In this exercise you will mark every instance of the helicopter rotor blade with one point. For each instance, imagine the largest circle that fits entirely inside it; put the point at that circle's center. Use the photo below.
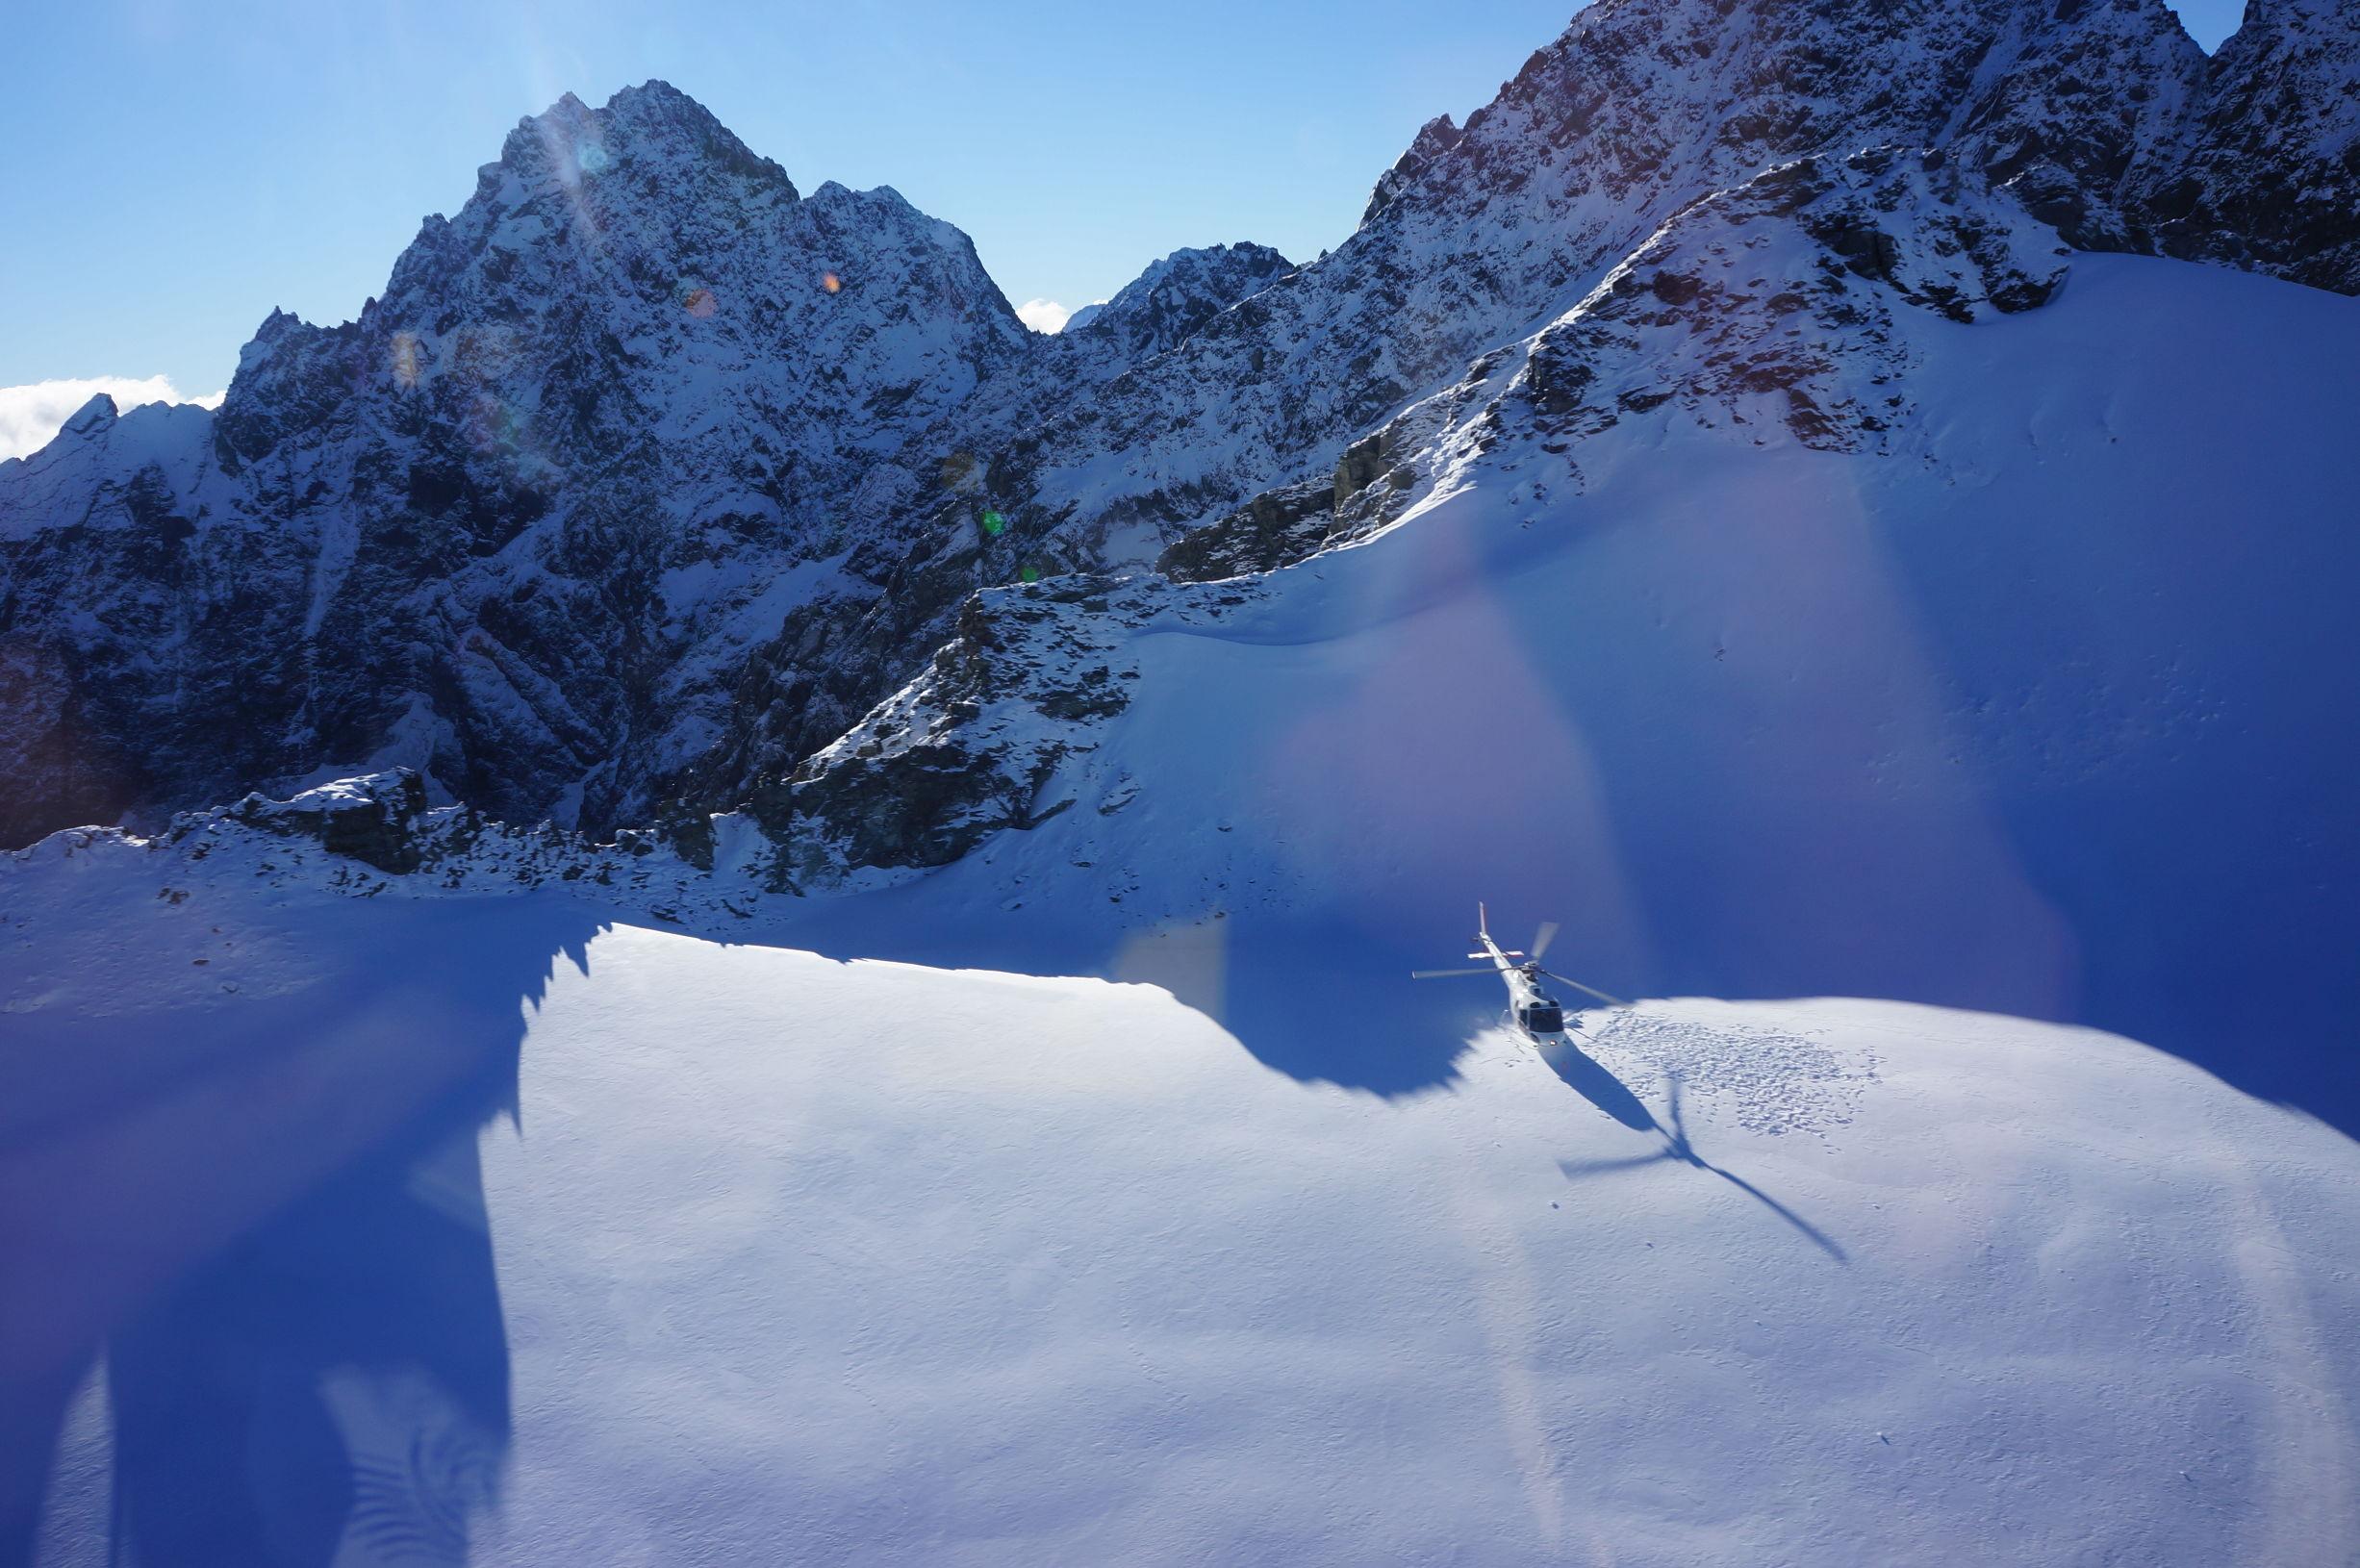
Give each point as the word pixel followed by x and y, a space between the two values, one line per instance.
pixel 1542 938
pixel 1445 973
pixel 1566 979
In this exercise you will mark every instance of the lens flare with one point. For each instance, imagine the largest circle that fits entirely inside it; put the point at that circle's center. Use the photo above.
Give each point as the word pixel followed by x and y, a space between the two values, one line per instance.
pixel 830 282
pixel 591 158
pixel 406 362
pixel 699 302
pixel 994 524
pixel 1031 574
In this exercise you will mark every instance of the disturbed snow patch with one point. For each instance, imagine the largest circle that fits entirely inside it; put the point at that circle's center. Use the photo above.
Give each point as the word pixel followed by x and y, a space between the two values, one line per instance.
pixel 1774 1082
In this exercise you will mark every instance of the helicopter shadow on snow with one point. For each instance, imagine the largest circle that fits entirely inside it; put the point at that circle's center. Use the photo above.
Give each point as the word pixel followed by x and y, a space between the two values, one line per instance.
pixel 1585 1076
pixel 1592 1082
pixel 1253 981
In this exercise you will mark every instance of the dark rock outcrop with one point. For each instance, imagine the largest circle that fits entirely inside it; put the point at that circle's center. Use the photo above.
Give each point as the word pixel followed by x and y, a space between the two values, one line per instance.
pixel 2269 174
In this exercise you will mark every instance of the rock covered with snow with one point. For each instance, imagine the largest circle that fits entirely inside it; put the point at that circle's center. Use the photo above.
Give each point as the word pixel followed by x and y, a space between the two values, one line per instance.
pixel 516 522
pixel 2270 174
pixel 1482 235
pixel 1020 696
pixel 649 475
pixel 1163 307
pixel 1435 137
pixel 376 836
pixel 372 818
pixel 1766 310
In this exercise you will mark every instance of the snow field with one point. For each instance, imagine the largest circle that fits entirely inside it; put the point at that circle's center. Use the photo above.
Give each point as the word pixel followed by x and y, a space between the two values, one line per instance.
pixel 892 1263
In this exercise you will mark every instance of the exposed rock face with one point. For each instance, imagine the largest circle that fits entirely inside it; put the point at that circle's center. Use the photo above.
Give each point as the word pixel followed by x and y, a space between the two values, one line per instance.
pixel 516 524
pixel 1769 308
pixel 373 818
pixel 1482 235
pixel 1274 527
pixel 2270 174
pixel 1165 305
pixel 965 749
pixel 649 475
pixel 1435 137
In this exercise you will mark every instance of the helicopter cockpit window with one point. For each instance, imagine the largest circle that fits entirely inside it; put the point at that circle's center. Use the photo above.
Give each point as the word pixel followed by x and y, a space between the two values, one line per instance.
pixel 1544 1019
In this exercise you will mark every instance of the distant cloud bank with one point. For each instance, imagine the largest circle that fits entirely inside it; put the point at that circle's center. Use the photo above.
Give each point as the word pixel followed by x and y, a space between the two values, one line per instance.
pixel 1043 314
pixel 31 415
pixel 1048 315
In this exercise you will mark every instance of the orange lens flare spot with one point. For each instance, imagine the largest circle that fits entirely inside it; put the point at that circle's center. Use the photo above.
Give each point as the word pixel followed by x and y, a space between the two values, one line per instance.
pixel 830 282
pixel 406 360
pixel 700 303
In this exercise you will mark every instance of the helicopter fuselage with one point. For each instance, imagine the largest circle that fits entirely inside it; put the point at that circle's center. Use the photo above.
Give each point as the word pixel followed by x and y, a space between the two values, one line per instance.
pixel 1536 1012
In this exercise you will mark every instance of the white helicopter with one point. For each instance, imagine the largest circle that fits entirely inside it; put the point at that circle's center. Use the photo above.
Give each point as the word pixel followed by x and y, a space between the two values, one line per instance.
pixel 1536 1012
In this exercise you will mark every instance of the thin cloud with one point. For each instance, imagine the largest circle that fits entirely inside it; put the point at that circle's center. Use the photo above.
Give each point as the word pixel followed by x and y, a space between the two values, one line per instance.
pixel 1043 314
pixel 30 414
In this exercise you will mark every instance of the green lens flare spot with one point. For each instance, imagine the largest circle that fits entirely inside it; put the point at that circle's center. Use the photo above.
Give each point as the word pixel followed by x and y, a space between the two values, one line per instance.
pixel 1031 574
pixel 994 524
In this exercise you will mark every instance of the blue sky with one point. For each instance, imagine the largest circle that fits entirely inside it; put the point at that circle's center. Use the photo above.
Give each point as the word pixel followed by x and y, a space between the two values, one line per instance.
pixel 180 169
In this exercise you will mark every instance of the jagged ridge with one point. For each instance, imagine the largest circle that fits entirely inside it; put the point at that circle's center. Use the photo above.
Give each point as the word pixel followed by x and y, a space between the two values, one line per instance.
pixel 650 475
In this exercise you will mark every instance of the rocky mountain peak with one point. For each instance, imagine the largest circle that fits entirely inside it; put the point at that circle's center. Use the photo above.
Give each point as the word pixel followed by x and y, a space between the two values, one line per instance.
pixel 1645 101
pixel 533 501
pixel 649 131
pixel 2272 174
pixel 1435 137
pixel 648 476
pixel 91 417
pixel 1165 304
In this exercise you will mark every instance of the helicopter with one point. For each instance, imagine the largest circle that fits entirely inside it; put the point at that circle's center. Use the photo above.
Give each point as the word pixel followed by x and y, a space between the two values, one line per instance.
pixel 1536 1012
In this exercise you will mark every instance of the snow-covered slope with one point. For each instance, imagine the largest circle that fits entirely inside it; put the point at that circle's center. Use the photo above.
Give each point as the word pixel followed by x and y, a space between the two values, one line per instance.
pixel 2029 700
pixel 1921 660
pixel 649 475
pixel 797 1259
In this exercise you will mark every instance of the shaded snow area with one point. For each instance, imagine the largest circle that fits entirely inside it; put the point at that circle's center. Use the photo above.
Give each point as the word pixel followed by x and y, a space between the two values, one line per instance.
pixel 772 1257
